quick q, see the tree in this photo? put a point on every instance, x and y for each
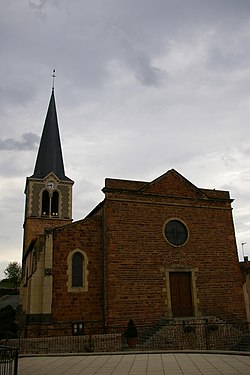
(13, 273)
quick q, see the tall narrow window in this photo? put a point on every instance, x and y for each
(77, 269)
(34, 261)
(54, 203)
(45, 203)
(77, 281)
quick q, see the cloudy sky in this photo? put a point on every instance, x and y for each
(142, 86)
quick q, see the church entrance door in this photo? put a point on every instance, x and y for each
(181, 294)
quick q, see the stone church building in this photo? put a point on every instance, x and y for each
(151, 250)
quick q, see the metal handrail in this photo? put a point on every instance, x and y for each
(8, 360)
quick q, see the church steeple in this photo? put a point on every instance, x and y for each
(49, 157)
(48, 191)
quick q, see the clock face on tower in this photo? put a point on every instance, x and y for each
(51, 185)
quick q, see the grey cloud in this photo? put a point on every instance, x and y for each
(15, 95)
(245, 151)
(100, 44)
(28, 141)
(37, 4)
(40, 7)
(144, 71)
(137, 60)
(229, 50)
(15, 166)
(146, 30)
(40, 4)
(228, 159)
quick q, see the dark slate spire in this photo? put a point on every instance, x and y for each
(49, 157)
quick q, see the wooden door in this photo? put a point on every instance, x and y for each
(181, 294)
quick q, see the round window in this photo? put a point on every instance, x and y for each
(176, 232)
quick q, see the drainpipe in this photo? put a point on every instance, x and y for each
(104, 273)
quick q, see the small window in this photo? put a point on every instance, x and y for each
(77, 269)
(176, 232)
(77, 328)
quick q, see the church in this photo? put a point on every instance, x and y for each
(151, 250)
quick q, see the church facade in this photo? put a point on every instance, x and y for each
(150, 251)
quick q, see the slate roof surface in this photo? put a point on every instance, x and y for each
(49, 157)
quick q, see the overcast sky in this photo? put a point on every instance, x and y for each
(142, 86)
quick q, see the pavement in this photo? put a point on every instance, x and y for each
(137, 364)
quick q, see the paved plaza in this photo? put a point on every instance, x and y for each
(137, 364)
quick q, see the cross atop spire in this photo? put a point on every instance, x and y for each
(53, 79)
(49, 157)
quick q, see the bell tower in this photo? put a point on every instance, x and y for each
(48, 191)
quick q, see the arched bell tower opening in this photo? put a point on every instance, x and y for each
(45, 203)
(50, 204)
(54, 204)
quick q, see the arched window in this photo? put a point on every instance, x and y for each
(54, 203)
(77, 269)
(45, 203)
(34, 261)
(50, 203)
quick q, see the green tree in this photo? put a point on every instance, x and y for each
(13, 273)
